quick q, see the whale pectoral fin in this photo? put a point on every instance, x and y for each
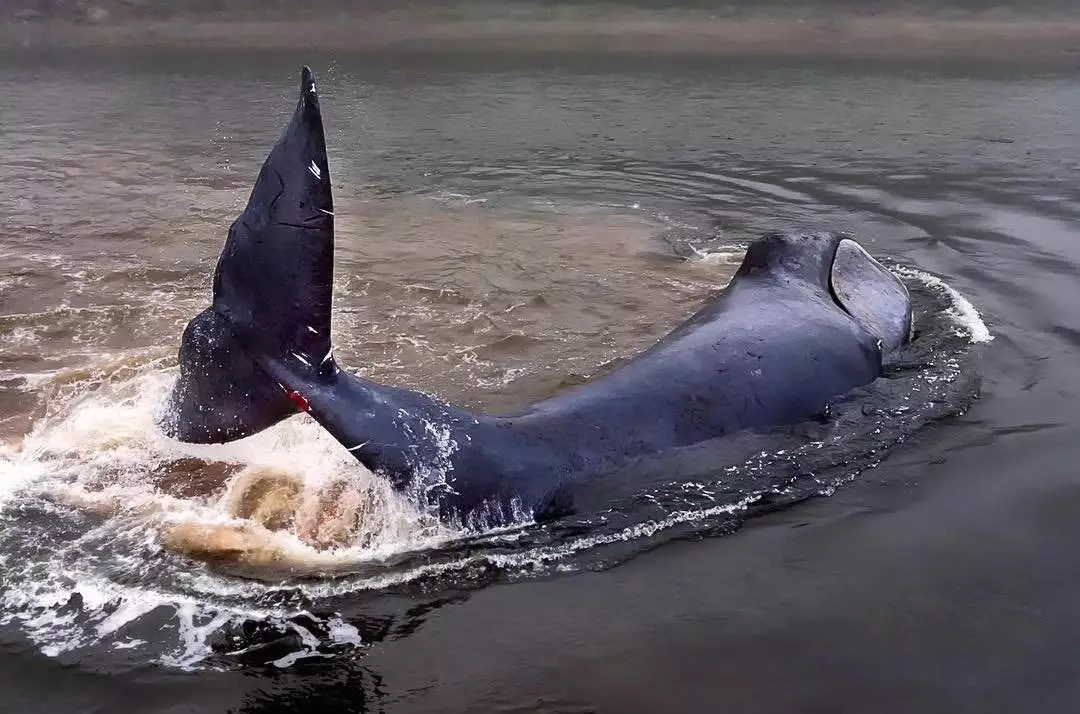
(272, 294)
(871, 294)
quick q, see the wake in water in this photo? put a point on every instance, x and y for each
(115, 537)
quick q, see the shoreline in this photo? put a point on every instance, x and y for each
(995, 40)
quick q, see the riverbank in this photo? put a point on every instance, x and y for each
(988, 37)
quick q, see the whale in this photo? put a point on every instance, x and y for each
(806, 319)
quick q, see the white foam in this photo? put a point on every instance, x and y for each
(18, 336)
(14, 475)
(961, 312)
(100, 454)
(731, 256)
(453, 197)
(535, 558)
(64, 610)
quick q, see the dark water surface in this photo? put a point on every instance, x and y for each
(508, 228)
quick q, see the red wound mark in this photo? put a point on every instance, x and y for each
(299, 400)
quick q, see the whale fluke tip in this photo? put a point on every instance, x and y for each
(307, 83)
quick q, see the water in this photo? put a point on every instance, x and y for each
(507, 228)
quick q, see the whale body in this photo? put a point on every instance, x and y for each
(806, 319)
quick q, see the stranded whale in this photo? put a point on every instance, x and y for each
(807, 318)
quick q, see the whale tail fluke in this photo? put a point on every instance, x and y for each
(272, 294)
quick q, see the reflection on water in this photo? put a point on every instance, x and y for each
(501, 235)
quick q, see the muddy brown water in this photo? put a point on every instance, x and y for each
(506, 228)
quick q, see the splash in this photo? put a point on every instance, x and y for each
(97, 508)
(960, 311)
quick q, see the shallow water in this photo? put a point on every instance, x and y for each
(505, 230)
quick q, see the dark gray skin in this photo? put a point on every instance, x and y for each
(806, 319)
